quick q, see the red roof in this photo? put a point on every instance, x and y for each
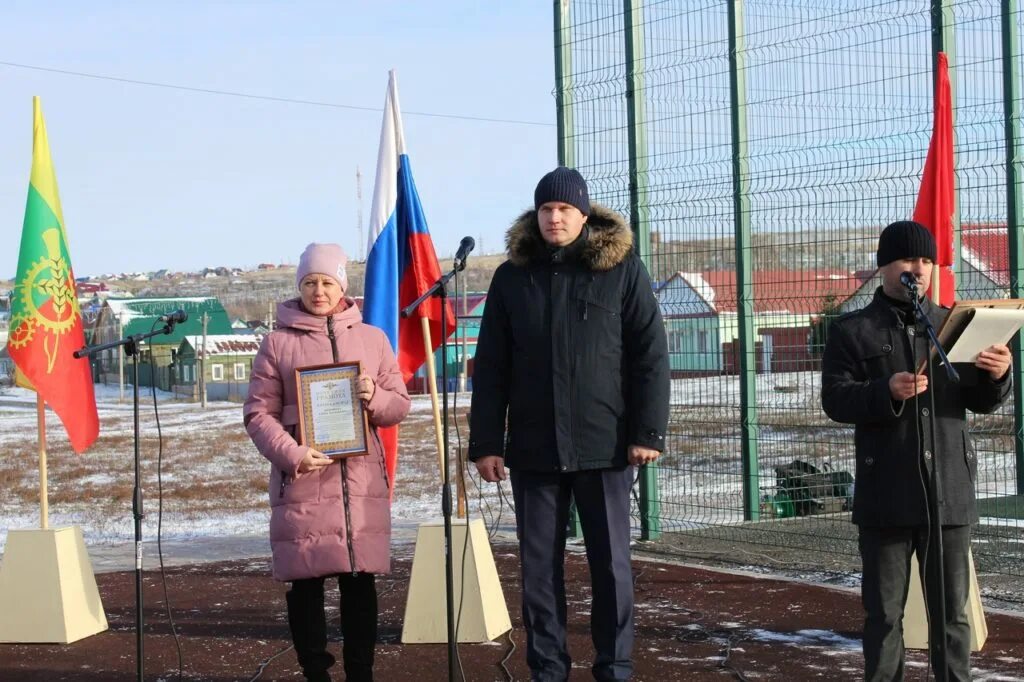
(986, 247)
(794, 291)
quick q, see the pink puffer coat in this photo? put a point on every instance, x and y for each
(336, 519)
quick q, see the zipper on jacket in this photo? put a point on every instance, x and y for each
(348, 516)
(570, 326)
(344, 464)
(330, 335)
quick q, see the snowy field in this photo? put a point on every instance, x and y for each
(213, 482)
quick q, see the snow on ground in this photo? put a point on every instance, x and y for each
(213, 480)
(215, 483)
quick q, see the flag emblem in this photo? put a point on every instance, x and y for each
(46, 301)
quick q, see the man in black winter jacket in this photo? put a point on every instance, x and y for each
(571, 392)
(907, 426)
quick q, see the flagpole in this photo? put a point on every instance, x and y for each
(44, 507)
(432, 385)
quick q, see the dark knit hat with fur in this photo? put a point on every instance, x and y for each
(905, 239)
(565, 185)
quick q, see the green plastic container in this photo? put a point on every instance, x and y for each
(783, 506)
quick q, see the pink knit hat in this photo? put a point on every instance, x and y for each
(324, 259)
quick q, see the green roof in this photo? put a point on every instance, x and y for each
(140, 314)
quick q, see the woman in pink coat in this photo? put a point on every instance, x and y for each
(329, 517)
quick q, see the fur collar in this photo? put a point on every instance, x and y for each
(609, 244)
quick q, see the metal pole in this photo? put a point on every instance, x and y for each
(446, 500)
(744, 267)
(120, 360)
(137, 513)
(1014, 211)
(462, 331)
(563, 83)
(202, 355)
(636, 132)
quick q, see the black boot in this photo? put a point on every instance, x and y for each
(358, 624)
(308, 624)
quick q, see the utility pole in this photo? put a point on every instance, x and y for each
(202, 372)
(359, 214)
(120, 359)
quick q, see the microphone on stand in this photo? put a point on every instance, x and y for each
(465, 246)
(177, 317)
(909, 281)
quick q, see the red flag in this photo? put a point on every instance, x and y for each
(46, 323)
(935, 206)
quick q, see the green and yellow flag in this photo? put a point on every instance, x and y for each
(46, 323)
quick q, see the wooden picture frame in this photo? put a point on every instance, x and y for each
(332, 419)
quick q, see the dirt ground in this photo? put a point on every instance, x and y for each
(692, 623)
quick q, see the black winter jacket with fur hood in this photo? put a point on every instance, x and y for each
(572, 355)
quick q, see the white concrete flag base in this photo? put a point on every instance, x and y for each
(48, 591)
(915, 620)
(484, 615)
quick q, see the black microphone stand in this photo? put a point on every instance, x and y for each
(131, 349)
(439, 289)
(936, 621)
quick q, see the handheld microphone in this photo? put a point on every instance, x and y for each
(465, 246)
(909, 281)
(177, 317)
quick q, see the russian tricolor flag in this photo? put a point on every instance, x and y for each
(402, 263)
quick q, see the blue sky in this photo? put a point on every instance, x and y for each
(154, 177)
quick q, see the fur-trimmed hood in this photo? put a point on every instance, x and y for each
(609, 241)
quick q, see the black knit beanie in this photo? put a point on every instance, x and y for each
(565, 185)
(905, 239)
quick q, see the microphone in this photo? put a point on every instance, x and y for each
(177, 317)
(465, 246)
(909, 281)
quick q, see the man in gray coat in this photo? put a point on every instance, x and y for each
(907, 427)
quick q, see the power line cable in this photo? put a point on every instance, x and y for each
(266, 98)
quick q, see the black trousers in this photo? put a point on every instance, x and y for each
(885, 553)
(542, 513)
(308, 624)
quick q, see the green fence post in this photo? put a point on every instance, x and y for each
(1011, 124)
(636, 132)
(563, 83)
(566, 147)
(744, 269)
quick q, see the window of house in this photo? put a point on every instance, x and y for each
(186, 374)
(217, 372)
(240, 371)
(702, 341)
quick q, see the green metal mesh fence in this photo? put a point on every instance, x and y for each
(837, 107)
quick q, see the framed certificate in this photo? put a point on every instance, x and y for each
(331, 417)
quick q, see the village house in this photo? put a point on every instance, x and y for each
(223, 365)
(702, 324)
(122, 317)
